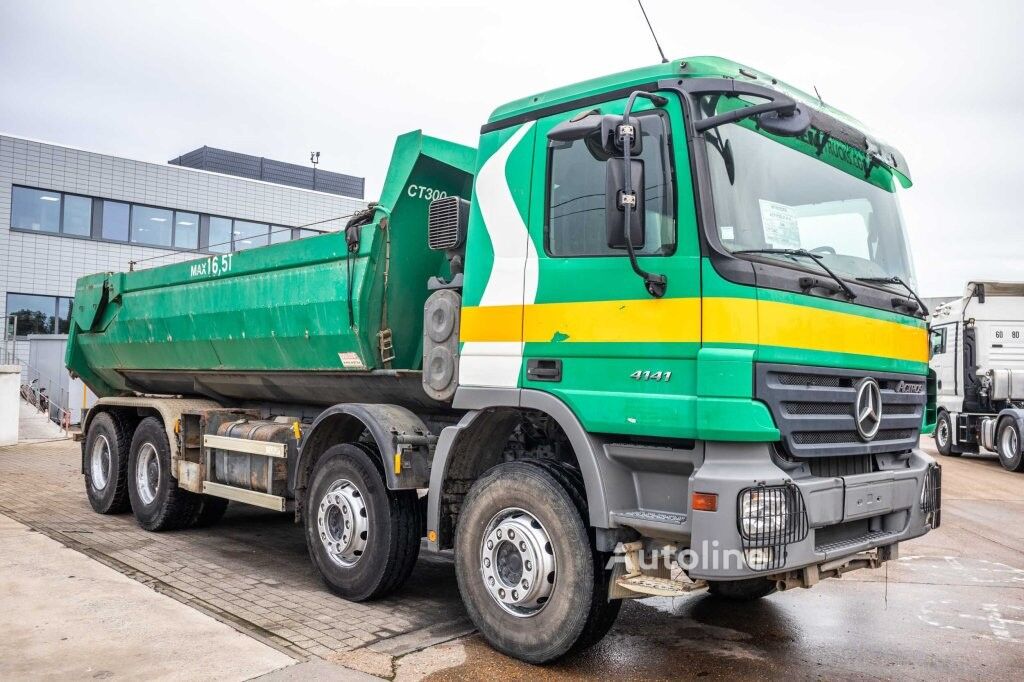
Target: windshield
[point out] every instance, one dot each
(783, 193)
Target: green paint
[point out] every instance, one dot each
(283, 307)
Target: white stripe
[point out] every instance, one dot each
(499, 363)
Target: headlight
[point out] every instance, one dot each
(759, 558)
(763, 512)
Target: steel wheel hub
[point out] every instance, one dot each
(147, 473)
(517, 562)
(99, 463)
(1009, 443)
(943, 433)
(342, 523)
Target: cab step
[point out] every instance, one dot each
(660, 587)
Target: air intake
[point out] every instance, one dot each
(447, 219)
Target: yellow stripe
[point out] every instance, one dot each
(678, 320)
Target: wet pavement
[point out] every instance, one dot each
(952, 606)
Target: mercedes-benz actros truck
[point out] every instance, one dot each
(977, 347)
(657, 320)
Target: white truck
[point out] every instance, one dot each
(977, 354)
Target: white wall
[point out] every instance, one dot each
(10, 384)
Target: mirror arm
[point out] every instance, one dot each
(655, 284)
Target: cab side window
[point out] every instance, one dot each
(576, 195)
(938, 339)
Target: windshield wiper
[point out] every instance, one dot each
(816, 257)
(893, 279)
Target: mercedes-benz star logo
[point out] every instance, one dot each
(868, 406)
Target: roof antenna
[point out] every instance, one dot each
(818, 94)
(660, 51)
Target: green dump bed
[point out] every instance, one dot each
(273, 324)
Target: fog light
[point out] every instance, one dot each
(763, 512)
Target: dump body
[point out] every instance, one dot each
(274, 323)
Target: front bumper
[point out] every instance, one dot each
(830, 519)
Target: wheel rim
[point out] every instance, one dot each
(147, 473)
(942, 433)
(517, 562)
(99, 463)
(1009, 443)
(343, 524)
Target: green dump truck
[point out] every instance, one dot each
(660, 319)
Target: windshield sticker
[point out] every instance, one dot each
(780, 225)
(728, 233)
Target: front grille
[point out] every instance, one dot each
(814, 409)
(833, 437)
(848, 465)
(769, 518)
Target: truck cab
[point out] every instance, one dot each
(977, 355)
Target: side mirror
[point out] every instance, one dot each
(605, 128)
(616, 202)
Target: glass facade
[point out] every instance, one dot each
(40, 210)
(40, 314)
(115, 221)
(152, 226)
(35, 209)
(76, 218)
(186, 230)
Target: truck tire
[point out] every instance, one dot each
(208, 511)
(944, 436)
(106, 463)
(363, 539)
(157, 501)
(749, 589)
(527, 570)
(1008, 445)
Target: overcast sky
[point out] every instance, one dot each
(150, 80)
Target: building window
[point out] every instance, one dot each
(77, 216)
(151, 226)
(40, 210)
(115, 221)
(576, 195)
(280, 234)
(40, 314)
(249, 235)
(35, 209)
(186, 230)
(220, 235)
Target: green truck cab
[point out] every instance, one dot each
(659, 319)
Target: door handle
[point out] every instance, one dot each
(543, 369)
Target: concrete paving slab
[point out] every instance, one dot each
(64, 616)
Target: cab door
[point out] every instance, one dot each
(622, 360)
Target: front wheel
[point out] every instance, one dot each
(527, 570)
(363, 538)
(944, 436)
(1008, 445)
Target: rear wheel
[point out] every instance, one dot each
(363, 538)
(944, 436)
(742, 590)
(527, 570)
(1008, 445)
(157, 501)
(106, 463)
